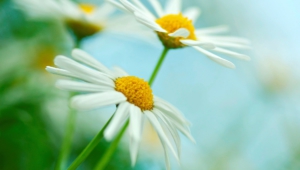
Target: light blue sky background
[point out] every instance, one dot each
(235, 120)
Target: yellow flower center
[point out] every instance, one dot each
(87, 8)
(137, 91)
(171, 23)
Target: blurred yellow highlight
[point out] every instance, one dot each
(87, 8)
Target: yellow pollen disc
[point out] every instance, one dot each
(171, 23)
(87, 8)
(137, 91)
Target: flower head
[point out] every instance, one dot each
(175, 29)
(132, 95)
(82, 19)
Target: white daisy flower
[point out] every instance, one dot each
(132, 95)
(83, 19)
(176, 29)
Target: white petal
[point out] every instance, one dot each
(135, 129)
(206, 45)
(134, 148)
(167, 160)
(212, 30)
(129, 6)
(180, 126)
(155, 123)
(135, 125)
(230, 39)
(117, 4)
(157, 7)
(81, 86)
(181, 32)
(85, 58)
(117, 122)
(231, 45)
(83, 72)
(192, 13)
(171, 129)
(184, 131)
(173, 7)
(96, 100)
(60, 72)
(173, 112)
(143, 8)
(119, 72)
(215, 58)
(232, 53)
(105, 10)
(148, 22)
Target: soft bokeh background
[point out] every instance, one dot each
(247, 118)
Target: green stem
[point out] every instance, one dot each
(89, 148)
(77, 42)
(66, 145)
(158, 65)
(106, 157)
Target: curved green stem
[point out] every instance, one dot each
(158, 65)
(66, 145)
(89, 148)
(106, 157)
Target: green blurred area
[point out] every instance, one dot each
(27, 139)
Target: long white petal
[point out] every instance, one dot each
(143, 8)
(206, 45)
(135, 125)
(148, 22)
(157, 7)
(230, 39)
(172, 130)
(231, 45)
(104, 11)
(81, 86)
(117, 4)
(183, 130)
(171, 114)
(85, 58)
(96, 100)
(232, 53)
(173, 7)
(117, 122)
(170, 110)
(134, 148)
(135, 129)
(181, 32)
(215, 58)
(181, 127)
(192, 13)
(83, 72)
(132, 8)
(167, 160)
(212, 30)
(119, 72)
(60, 72)
(155, 123)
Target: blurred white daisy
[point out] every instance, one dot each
(175, 29)
(83, 19)
(132, 95)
